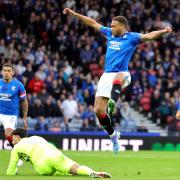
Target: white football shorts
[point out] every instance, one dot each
(8, 121)
(105, 83)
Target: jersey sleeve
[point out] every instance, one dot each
(135, 38)
(22, 91)
(105, 30)
(13, 162)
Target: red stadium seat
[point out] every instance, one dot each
(147, 94)
(93, 66)
(97, 72)
(151, 90)
(169, 119)
(146, 107)
(145, 100)
(178, 125)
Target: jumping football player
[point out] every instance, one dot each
(121, 45)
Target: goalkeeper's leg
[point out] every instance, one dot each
(86, 171)
(67, 166)
(43, 167)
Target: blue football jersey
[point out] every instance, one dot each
(10, 95)
(119, 49)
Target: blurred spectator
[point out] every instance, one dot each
(86, 54)
(36, 84)
(89, 118)
(55, 127)
(42, 124)
(41, 73)
(137, 93)
(171, 126)
(152, 78)
(127, 123)
(155, 103)
(68, 68)
(28, 73)
(49, 107)
(165, 111)
(125, 111)
(70, 109)
(37, 108)
(141, 127)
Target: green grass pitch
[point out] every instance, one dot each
(128, 165)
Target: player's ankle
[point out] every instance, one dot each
(112, 135)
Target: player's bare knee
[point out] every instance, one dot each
(121, 77)
(8, 131)
(99, 110)
(96, 110)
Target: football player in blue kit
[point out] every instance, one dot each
(12, 95)
(121, 45)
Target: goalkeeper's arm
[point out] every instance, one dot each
(12, 168)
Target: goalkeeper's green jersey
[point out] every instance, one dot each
(31, 149)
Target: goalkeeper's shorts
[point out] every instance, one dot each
(59, 165)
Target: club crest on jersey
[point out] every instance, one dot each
(125, 36)
(13, 88)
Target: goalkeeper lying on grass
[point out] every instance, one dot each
(46, 159)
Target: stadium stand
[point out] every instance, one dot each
(56, 57)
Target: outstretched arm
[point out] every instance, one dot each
(13, 163)
(155, 34)
(87, 20)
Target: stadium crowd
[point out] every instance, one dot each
(59, 60)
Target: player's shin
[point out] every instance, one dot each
(8, 136)
(84, 170)
(116, 90)
(115, 93)
(105, 122)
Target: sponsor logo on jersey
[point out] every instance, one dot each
(5, 97)
(114, 45)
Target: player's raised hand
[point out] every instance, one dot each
(68, 11)
(168, 29)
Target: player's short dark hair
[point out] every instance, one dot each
(121, 19)
(8, 65)
(21, 132)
